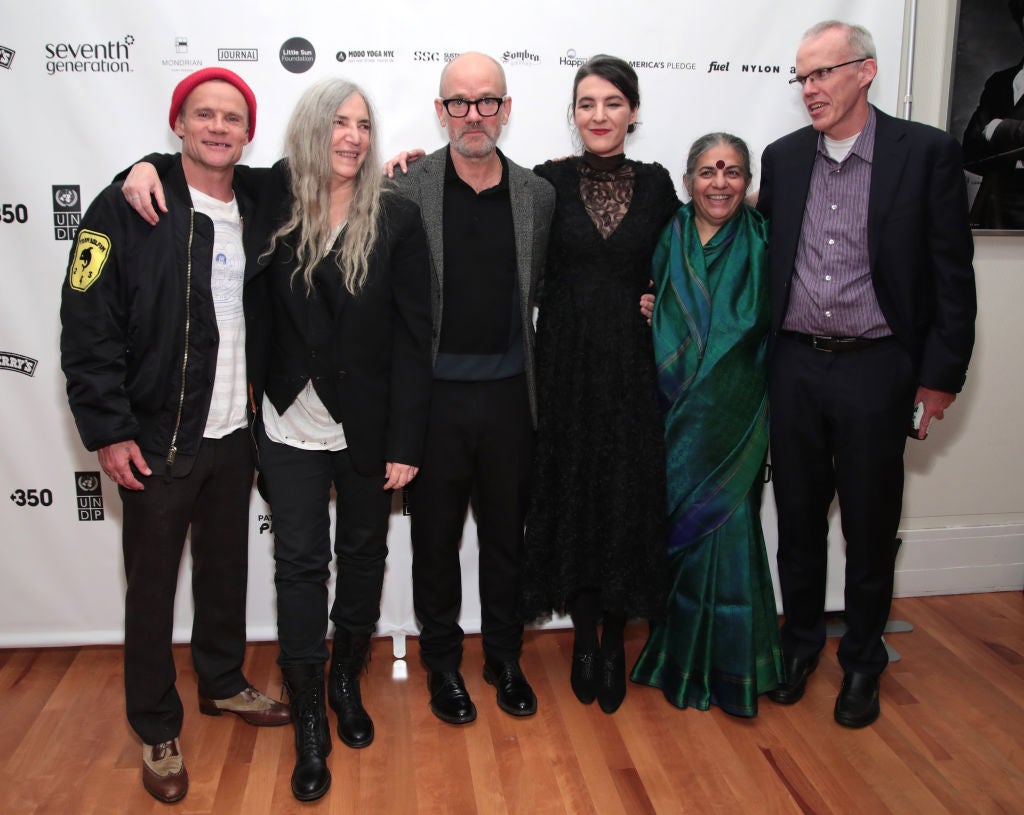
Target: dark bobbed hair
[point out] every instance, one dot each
(617, 71)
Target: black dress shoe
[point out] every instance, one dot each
(857, 703)
(792, 689)
(449, 699)
(611, 681)
(515, 696)
(584, 675)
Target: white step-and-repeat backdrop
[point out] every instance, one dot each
(86, 88)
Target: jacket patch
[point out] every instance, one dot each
(91, 252)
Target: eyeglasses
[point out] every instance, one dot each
(820, 74)
(458, 108)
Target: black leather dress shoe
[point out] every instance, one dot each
(449, 699)
(857, 703)
(515, 696)
(584, 675)
(792, 689)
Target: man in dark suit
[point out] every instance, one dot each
(873, 308)
(994, 144)
(487, 221)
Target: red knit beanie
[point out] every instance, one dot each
(188, 84)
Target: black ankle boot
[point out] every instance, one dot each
(355, 727)
(611, 675)
(305, 686)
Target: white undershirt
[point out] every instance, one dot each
(838, 149)
(306, 423)
(227, 277)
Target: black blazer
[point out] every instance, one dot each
(919, 242)
(367, 355)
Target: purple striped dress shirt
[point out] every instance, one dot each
(831, 293)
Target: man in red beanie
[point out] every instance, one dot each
(153, 348)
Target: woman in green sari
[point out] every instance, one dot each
(718, 643)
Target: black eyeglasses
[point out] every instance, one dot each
(458, 108)
(819, 74)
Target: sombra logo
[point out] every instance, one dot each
(297, 55)
(523, 57)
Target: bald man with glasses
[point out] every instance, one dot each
(487, 221)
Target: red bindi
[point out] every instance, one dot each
(720, 164)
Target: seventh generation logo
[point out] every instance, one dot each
(111, 57)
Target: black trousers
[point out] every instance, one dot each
(480, 448)
(839, 425)
(212, 500)
(298, 484)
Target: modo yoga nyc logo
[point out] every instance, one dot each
(297, 55)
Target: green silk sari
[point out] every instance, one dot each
(719, 641)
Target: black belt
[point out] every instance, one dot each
(833, 344)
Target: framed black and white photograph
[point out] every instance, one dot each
(986, 110)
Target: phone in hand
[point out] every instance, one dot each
(915, 421)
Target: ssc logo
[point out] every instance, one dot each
(91, 252)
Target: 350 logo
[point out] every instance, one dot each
(32, 498)
(9, 213)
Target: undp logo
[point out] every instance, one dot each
(297, 55)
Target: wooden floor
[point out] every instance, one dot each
(950, 740)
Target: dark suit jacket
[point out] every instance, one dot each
(533, 205)
(368, 355)
(919, 241)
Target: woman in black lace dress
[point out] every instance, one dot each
(595, 537)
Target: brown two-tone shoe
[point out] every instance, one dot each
(252, 706)
(163, 771)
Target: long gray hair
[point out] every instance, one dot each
(308, 150)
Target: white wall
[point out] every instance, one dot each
(61, 580)
(964, 508)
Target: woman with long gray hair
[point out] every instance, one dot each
(342, 319)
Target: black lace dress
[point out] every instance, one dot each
(597, 512)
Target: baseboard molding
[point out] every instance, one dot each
(947, 560)
(960, 560)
